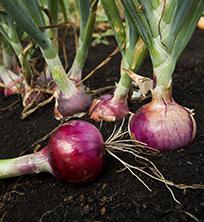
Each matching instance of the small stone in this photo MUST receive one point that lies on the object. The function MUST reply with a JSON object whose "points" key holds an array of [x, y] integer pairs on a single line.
{"points": [[103, 211]]}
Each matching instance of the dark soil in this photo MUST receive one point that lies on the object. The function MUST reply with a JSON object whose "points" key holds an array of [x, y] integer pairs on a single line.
{"points": [[114, 196]]}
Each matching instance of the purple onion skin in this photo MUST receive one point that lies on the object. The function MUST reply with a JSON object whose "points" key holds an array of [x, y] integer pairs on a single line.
{"points": [[69, 105], [107, 109], [163, 125], [76, 152]]}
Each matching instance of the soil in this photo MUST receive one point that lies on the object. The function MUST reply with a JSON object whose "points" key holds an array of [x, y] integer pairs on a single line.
{"points": [[113, 196]]}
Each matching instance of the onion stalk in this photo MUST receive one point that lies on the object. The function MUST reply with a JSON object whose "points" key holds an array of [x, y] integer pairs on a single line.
{"points": [[64, 6], [133, 50], [166, 27], [87, 11], [53, 7], [26, 78]]}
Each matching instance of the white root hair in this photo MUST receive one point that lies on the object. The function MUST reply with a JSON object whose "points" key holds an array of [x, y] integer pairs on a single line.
{"points": [[117, 144]]}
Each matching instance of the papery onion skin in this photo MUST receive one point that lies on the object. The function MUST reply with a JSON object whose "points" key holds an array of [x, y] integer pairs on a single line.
{"points": [[34, 98], [108, 109], [163, 125], [37, 96], [76, 152]]}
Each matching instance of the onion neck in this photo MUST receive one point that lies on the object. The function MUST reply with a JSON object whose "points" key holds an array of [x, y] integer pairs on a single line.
{"points": [[86, 32], [123, 86], [162, 80], [164, 71], [65, 85], [32, 163], [162, 95]]}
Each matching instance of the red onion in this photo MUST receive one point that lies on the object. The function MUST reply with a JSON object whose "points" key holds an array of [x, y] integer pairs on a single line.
{"points": [[108, 109], [163, 124], [67, 105], [75, 153]]}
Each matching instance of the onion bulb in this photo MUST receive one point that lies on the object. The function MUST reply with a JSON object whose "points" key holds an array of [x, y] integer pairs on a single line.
{"points": [[163, 124], [74, 153], [108, 108]]}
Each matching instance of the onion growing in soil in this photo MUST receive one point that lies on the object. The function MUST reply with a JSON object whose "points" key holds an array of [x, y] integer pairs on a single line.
{"points": [[108, 108], [68, 104], [10, 72], [115, 107], [74, 153], [77, 101], [163, 124]]}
